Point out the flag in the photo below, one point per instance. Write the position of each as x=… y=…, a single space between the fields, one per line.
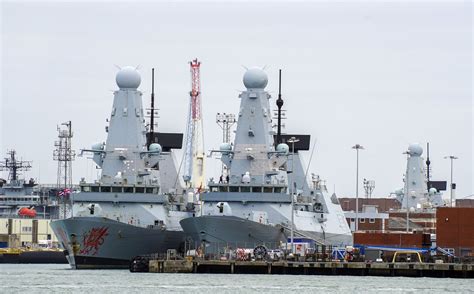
x=64 y=192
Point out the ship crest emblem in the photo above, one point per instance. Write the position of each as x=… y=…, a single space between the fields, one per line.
x=93 y=240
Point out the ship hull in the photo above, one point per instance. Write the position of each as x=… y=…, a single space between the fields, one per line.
x=217 y=232
x=97 y=243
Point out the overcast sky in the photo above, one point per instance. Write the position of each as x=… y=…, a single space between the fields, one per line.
x=383 y=75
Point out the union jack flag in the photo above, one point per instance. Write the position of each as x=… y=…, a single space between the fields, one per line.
x=64 y=192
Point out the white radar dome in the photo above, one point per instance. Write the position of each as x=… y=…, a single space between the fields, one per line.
x=246 y=178
x=128 y=78
x=415 y=149
x=433 y=191
x=283 y=148
x=155 y=147
x=225 y=147
x=255 y=78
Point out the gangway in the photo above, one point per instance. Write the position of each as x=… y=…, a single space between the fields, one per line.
x=301 y=234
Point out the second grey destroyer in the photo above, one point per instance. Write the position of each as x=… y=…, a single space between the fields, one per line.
x=255 y=207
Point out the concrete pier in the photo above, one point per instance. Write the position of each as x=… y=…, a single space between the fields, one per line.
x=313 y=268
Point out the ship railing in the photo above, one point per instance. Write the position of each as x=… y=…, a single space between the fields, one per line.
x=134 y=189
x=224 y=187
x=447 y=251
x=39 y=215
x=265 y=251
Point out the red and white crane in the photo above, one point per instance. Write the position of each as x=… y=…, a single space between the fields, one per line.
x=193 y=173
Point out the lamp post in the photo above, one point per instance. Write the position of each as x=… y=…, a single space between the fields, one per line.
x=357 y=147
x=452 y=158
x=292 y=140
x=407 y=190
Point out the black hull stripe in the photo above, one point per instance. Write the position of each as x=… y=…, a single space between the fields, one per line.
x=89 y=262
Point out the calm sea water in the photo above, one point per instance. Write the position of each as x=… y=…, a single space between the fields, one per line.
x=22 y=278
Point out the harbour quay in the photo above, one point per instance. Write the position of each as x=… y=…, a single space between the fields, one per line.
x=439 y=270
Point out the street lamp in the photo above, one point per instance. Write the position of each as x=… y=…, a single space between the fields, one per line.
x=452 y=158
x=407 y=190
x=357 y=147
x=292 y=140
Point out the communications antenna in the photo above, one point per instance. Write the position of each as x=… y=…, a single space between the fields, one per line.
x=369 y=187
x=279 y=114
x=225 y=121
x=14 y=166
x=64 y=155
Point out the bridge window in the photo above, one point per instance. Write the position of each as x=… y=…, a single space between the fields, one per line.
x=128 y=189
x=234 y=189
x=223 y=189
x=245 y=189
x=94 y=188
x=149 y=190
x=116 y=189
x=139 y=190
x=214 y=189
x=267 y=190
x=257 y=189
x=105 y=189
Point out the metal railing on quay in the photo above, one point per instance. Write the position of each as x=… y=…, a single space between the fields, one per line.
x=259 y=251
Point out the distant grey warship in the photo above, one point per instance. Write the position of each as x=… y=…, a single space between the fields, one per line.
x=254 y=206
x=133 y=209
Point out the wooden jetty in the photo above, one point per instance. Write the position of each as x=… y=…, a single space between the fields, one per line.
x=308 y=268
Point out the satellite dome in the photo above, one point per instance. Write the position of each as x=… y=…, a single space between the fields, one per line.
x=128 y=78
x=283 y=148
x=155 y=147
x=415 y=149
x=433 y=191
x=255 y=78
x=246 y=178
x=225 y=147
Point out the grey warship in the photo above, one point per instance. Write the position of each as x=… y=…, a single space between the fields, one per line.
x=133 y=209
x=267 y=197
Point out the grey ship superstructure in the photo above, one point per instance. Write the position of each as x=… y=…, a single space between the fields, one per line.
x=416 y=193
x=134 y=208
x=254 y=207
x=17 y=193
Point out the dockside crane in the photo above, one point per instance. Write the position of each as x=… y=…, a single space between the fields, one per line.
x=193 y=174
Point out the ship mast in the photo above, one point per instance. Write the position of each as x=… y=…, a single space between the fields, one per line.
x=151 y=137
x=14 y=166
x=279 y=103
x=428 y=162
x=225 y=121
x=64 y=155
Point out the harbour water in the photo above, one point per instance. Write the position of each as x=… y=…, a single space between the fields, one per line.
x=48 y=278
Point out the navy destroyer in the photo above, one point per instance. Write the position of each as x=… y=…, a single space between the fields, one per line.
x=419 y=191
x=135 y=206
x=24 y=198
x=265 y=199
